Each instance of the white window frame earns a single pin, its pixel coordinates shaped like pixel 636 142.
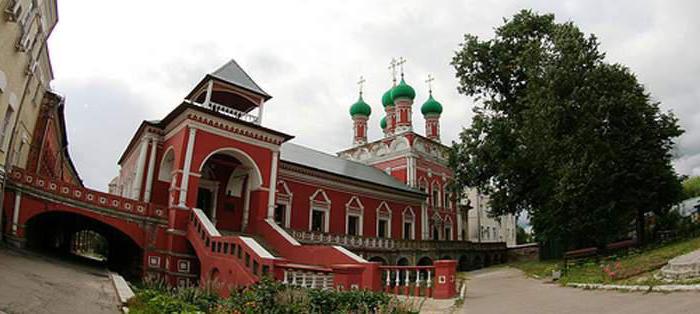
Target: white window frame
pixel 411 220
pixel 447 224
pixel 435 187
pixel 284 197
pixel 383 213
pixel 354 208
pixel 323 205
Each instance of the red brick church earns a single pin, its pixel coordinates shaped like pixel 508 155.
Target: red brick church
pixel 209 193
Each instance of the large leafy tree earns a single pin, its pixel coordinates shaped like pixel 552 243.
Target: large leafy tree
pixel 558 132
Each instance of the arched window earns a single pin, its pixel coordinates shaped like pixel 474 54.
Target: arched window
pixel 283 205
pixel 448 228
pixel 319 211
pixel 354 215
pixel 436 195
pixel 165 172
pixel 409 224
pixel 383 221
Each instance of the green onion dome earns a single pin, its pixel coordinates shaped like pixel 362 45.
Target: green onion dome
pixel 431 106
pixel 403 90
pixel 386 98
pixel 361 108
pixel 382 123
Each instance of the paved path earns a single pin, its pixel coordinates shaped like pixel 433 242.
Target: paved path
pixel 507 290
pixel 31 283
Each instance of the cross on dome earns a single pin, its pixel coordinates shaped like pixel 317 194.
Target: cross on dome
pixel 400 63
pixel 360 83
pixel 430 80
pixel 392 66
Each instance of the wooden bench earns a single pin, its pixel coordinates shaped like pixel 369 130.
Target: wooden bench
pixel 576 255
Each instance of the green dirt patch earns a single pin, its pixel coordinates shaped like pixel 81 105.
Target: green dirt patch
pixel 633 267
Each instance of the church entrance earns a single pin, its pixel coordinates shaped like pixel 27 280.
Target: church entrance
pixel 223 192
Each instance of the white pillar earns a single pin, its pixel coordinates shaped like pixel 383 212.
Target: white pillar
pixel 260 112
pixel 246 204
pixel 186 167
pixel 273 186
pixel 207 97
pixel 15 213
pixel 140 164
pixel 459 222
pixel 151 167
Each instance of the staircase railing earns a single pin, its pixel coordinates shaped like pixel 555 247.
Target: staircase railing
pixel 408 280
pixel 248 253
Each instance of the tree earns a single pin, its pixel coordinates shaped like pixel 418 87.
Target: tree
pixel 521 236
pixel 691 187
pixel 558 132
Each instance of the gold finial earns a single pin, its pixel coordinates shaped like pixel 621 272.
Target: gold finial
pixel 360 83
pixel 400 64
pixel 430 83
pixel 392 66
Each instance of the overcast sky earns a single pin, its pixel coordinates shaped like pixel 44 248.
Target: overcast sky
pixel 120 62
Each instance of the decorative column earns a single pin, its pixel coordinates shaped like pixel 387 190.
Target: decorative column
pixel 186 167
pixel 140 165
pixel 151 168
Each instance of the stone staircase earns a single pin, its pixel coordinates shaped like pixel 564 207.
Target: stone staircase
pixel 683 267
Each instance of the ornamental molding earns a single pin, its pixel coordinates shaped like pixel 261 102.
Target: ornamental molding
pixel 317 178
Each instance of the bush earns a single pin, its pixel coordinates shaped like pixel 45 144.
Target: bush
pixel 267 296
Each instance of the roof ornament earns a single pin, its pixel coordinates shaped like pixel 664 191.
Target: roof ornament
pixel 360 83
pixel 429 81
pixel 400 63
pixel 392 66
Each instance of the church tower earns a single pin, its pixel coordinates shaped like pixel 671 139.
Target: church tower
pixel 360 111
pixel 431 111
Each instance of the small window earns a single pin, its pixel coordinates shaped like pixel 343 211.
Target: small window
pixel 225 248
pixel 280 214
pixel 383 228
pixel 407 228
pixel 436 197
pixel 6 126
pixel 448 233
pixel 353 225
pixel 255 267
pixel 247 260
pixel 318 220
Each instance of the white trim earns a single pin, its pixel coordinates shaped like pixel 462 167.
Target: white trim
pixel 206 223
pixel 15 213
pixel 284 197
pixel 439 196
pixel 382 205
pixel 282 232
pixel 271 195
pixel 245 159
pixel 324 206
pixel 162 173
pixel 412 221
pixel 140 164
pixel 151 168
pixel 256 247
pixel 186 168
pixel 352 255
pixel 360 216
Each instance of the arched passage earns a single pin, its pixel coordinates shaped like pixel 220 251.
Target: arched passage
pixel 425 261
pixel 61 233
pixel 463 263
pixel 402 262
pixel 227 177
pixel 378 259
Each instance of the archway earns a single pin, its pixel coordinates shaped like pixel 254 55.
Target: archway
pixel 78 237
pixel 425 261
pixel 402 262
pixel 446 257
pixel 487 260
pixel 477 263
pixel 378 259
pixel 227 176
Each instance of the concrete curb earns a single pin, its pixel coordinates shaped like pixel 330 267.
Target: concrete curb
pixel 642 288
pixel 124 293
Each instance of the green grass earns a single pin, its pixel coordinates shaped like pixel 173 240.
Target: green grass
pixel 635 267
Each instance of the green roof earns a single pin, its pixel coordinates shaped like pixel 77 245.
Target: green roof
pixel 382 123
pixel 431 106
pixel 386 98
pixel 360 107
pixel 403 90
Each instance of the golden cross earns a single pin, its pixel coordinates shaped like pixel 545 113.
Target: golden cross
pixel 392 66
pixel 360 83
pixel 430 83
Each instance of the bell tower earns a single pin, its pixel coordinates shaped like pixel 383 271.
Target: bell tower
pixel 360 111
pixel 431 111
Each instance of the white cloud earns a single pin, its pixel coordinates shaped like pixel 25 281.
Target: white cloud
pixel 144 56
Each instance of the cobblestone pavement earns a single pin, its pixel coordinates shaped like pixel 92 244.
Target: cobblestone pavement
pixel 33 283
pixel 507 290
